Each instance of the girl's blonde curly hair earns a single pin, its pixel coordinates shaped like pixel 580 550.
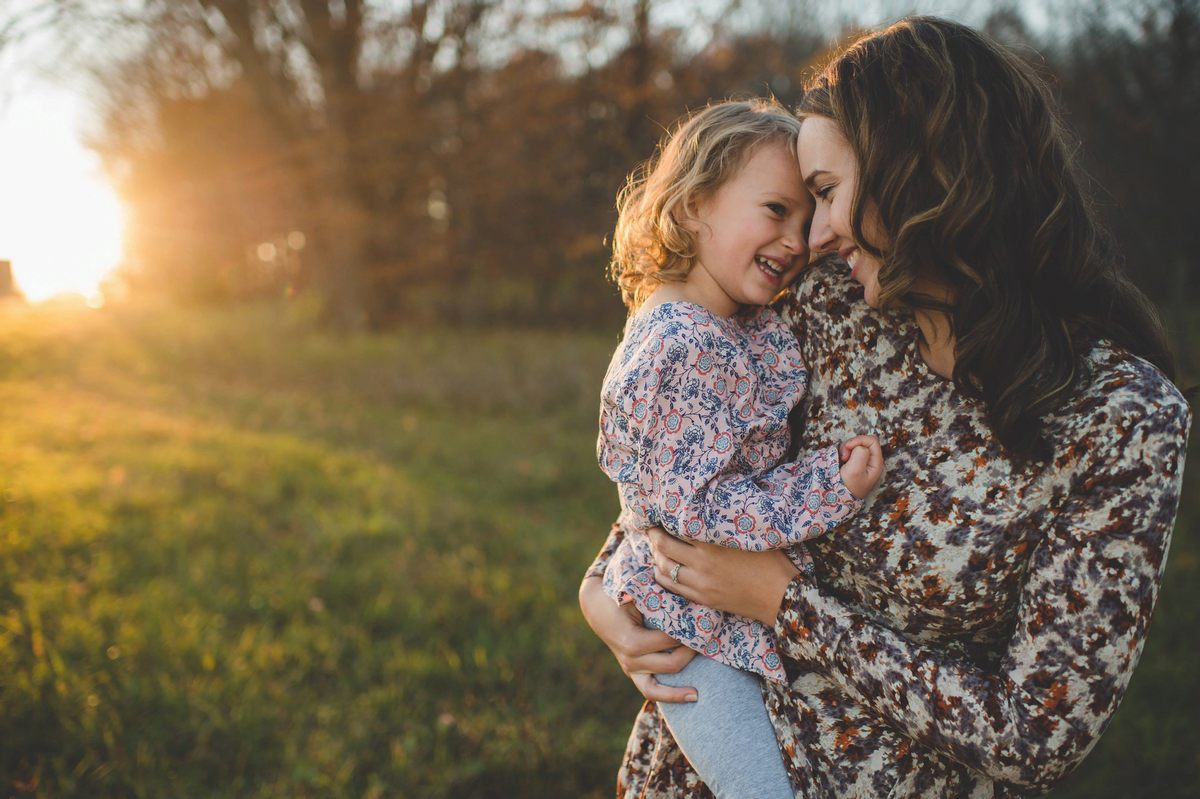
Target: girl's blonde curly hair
pixel 652 245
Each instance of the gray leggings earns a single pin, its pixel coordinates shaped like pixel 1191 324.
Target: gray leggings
pixel 726 734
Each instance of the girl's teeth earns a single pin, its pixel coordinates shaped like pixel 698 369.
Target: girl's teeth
pixel 763 262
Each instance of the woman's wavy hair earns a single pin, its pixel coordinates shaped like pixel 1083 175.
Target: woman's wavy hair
pixel 652 245
pixel 970 178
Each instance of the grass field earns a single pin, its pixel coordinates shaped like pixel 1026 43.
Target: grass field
pixel 242 558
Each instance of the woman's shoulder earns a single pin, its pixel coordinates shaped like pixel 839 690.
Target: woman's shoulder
pixel 826 311
pixel 1119 378
pixel 1124 395
pixel 824 287
pixel 825 297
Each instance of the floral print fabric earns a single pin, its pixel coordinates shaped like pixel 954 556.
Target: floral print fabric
pixel 693 427
pixel 971 632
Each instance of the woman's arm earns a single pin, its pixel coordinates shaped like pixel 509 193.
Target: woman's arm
pixel 1081 623
pixel 750 584
pixel 640 651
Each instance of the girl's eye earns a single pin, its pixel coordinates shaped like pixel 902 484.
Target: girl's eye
pixel 777 208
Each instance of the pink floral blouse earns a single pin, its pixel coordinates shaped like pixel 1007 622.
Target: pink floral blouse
pixel 694 429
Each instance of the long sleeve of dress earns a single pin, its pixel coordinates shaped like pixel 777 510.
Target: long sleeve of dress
pixel 688 429
pixel 1092 582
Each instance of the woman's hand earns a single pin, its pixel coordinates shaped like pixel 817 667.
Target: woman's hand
pixel 749 584
pixel 639 650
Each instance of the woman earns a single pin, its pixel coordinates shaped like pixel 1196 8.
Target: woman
pixel 972 630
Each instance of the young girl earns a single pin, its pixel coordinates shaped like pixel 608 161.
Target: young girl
pixel 694 413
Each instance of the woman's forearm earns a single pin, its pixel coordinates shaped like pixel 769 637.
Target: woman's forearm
pixel 615 536
pixel 640 652
pixel 984 720
pixel 750 584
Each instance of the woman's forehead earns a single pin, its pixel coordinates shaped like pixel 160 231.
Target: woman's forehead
pixel 822 149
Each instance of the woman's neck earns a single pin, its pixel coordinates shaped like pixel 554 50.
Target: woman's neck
pixel 937 342
pixel 937 334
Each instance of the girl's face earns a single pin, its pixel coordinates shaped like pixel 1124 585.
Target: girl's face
pixel 751 233
pixel 831 174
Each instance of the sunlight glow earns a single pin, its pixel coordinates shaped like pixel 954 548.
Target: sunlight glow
pixel 61 225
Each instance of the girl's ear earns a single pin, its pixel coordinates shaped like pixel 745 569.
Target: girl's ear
pixel 685 215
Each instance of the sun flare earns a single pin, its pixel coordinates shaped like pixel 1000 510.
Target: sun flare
pixel 61 225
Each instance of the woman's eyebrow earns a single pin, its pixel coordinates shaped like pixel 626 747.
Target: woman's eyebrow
pixel 811 180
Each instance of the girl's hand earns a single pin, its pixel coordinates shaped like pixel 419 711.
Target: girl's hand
pixel 862 464
pixel 639 650
pixel 750 584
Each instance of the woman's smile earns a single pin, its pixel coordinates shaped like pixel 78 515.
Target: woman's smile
pixel 850 255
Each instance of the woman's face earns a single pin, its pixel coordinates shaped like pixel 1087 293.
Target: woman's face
pixel 831 173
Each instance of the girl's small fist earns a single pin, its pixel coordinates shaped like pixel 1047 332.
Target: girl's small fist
pixel 862 464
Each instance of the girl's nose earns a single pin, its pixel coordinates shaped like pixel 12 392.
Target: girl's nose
pixel 794 241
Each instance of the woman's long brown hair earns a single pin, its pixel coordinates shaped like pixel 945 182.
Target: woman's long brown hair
pixel 974 183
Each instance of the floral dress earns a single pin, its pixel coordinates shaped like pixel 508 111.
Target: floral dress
pixel 972 630
pixel 693 428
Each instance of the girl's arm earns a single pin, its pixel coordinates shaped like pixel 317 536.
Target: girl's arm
pixel 1082 620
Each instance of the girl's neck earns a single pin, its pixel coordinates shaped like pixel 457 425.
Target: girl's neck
pixel 697 291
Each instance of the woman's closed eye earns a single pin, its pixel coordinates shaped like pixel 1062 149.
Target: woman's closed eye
pixel 823 192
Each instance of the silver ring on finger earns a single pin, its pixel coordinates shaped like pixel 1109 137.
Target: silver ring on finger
pixel 675 572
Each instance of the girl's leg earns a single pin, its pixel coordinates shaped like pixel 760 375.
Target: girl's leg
pixel 726 734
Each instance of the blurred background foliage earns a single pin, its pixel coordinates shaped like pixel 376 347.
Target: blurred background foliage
pixel 458 160
pixel 308 519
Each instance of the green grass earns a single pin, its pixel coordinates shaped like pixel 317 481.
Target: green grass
pixel 242 558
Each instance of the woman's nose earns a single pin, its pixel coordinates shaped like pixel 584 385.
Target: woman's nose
pixel 820 235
